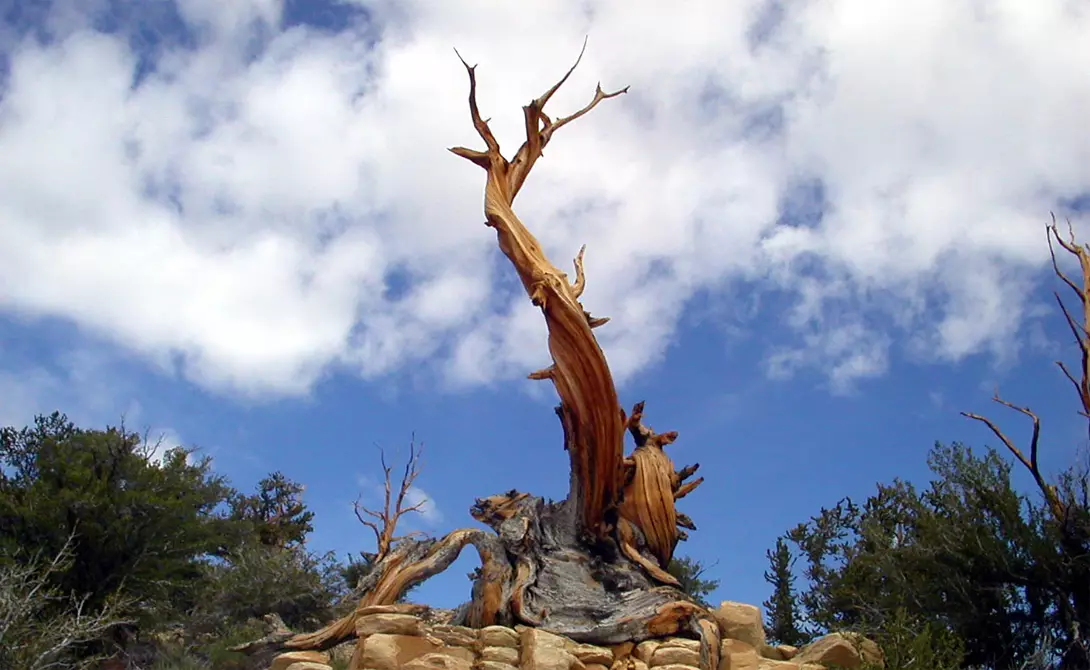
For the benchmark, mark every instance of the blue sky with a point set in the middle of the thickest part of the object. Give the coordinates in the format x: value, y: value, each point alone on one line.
x: 818, y: 229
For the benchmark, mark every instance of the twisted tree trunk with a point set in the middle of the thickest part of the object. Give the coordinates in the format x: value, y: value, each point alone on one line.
x: 592, y: 567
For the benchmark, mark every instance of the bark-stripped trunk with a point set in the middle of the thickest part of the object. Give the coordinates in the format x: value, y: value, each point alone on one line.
x: 592, y: 567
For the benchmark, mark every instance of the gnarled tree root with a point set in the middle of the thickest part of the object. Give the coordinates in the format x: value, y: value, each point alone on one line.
x: 535, y: 570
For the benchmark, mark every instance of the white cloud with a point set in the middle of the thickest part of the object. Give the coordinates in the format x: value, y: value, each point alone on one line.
x: 848, y: 352
x: 428, y: 510
x: 82, y: 383
x: 251, y: 221
x: 88, y: 387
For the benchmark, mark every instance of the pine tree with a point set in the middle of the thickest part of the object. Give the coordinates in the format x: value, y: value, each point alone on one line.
x: 276, y: 512
x: 689, y: 573
x: 781, y: 610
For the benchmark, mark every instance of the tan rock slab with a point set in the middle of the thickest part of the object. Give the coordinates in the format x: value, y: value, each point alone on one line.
x: 501, y: 655
x: 842, y: 649
x: 382, y: 651
x: 666, y: 655
x: 679, y: 666
x: 455, y: 636
x: 541, y: 650
x: 622, y: 650
x: 283, y: 661
x: 789, y: 652
x: 739, y: 621
x: 738, y: 655
x: 769, y: 664
x: 683, y: 642
x: 592, y: 654
x: 645, y: 649
x: 307, y: 665
x: 388, y: 624
x: 495, y: 665
x: 438, y: 661
x: 498, y: 636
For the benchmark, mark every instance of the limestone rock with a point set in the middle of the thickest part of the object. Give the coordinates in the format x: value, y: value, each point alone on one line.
x: 769, y: 664
x: 787, y: 651
x: 498, y: 636
x: 683, y: 642
x: 285, y: 660
x: 389, y: 624
x: 739, y: 621
x: 622, y: 650
x: 738, y: 655
x: 342, y: 653
x: 646, y: 649
x: 501, y: 655
x: 438, y: 661
x: 383, y: 651
x: 392, y: 638
x: 771, y: 653
x: 846, y: 650
x: 455, y: 636
x: 666, y: 655
x: 545, y: 651
x: 592, y: 654
x: 779, y: 652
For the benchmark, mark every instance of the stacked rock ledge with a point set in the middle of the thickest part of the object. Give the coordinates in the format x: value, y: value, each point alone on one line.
x: 392, y: 641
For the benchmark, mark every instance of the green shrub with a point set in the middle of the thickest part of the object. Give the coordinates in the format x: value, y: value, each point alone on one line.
x: 256, y: 580
x: 41, y: 628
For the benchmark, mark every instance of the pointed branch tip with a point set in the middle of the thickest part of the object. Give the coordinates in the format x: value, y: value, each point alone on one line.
x: 580, y: 277
x: 686, y: 489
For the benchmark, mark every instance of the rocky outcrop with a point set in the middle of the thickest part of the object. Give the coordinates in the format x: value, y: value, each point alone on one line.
x: 843, y: 650
x: 397, y: 641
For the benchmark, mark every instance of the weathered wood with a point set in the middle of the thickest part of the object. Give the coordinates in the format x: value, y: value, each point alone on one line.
x: 592, y: 417
x: 593, y: 566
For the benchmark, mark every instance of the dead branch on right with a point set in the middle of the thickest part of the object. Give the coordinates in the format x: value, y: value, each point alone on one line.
x: 1074, y: 604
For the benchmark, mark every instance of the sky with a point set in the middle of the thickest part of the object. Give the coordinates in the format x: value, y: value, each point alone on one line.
x: 816, y: 225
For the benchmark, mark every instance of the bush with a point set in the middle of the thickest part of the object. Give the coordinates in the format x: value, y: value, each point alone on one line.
x: 42, y: 628
x: 256, y: 580
x: 914, y: 645
x: 135, y: 523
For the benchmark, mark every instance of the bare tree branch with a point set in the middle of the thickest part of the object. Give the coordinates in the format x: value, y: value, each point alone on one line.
x: 385, y: 522
x: 1082, y: 385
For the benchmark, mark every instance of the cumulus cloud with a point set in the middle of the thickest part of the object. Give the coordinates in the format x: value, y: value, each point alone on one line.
x: 82, y: 382
x: 258, y: 203
x: 89, y: 387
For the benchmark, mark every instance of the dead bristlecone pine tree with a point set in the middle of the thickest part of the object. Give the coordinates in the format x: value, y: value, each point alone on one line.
x: 593, y: 566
